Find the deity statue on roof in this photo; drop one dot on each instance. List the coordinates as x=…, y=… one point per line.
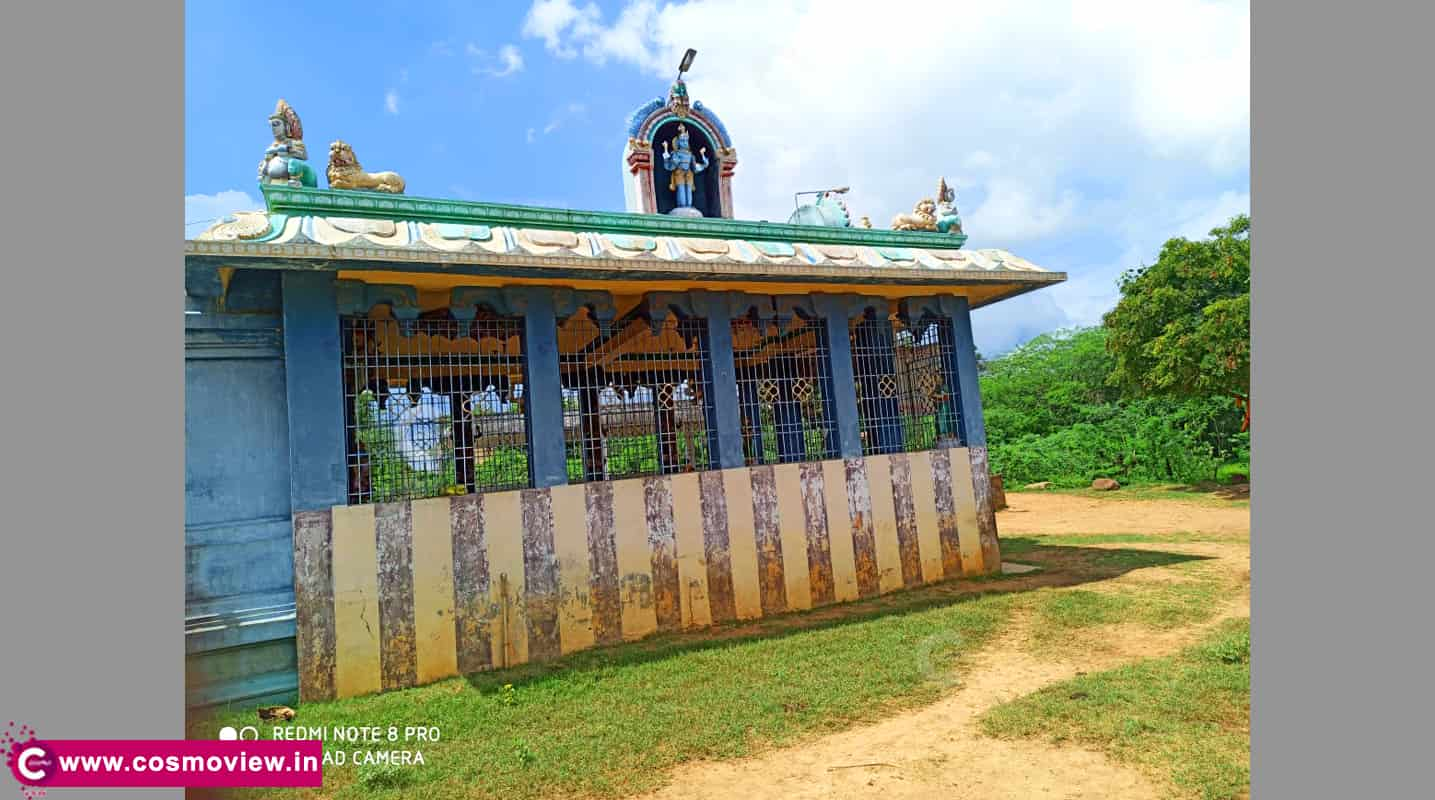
x=284, y=159
x=682, y=167
x=948, y=220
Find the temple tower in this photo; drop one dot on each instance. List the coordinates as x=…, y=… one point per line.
x=648, y=181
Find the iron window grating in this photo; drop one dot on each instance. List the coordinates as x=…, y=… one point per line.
x=433, y=406
x=784, y=382
x=905, y=384
x=635, y=402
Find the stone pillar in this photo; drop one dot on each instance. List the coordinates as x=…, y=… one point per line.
x=840, y=387
x=968, y=389
x=974, y=434
x=724, y=425
x=314, y=388
x=542, y=389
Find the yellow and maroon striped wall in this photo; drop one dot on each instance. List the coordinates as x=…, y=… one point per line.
x=400, y=594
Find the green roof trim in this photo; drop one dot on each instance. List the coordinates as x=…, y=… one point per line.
x=301, y=201
x=625, y=242
x=778, y=249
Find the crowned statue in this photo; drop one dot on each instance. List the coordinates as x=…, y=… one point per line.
x=284, y=159
x=948, y=220
x=682, y=167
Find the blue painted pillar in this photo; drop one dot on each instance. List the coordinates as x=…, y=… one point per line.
x=840, y=388
x=542, y=389
x=724, y=424
x=968, y=389
x=787, y=416
x=314, y=389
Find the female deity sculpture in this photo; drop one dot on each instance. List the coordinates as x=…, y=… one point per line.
x=284, y=160
x=682, y=166
x=948, y=220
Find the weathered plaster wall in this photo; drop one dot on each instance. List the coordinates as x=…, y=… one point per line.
x=400, y=594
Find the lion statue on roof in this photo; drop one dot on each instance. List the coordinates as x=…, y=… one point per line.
x=345, y=172
x=922, y=218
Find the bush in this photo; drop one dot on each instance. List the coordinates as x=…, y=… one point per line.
x=1051, y=416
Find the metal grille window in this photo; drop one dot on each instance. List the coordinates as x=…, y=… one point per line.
x=906, y=387
x=433, y=408
x=782, y=380
x=634, y=403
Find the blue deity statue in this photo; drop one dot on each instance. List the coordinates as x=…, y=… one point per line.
x=682, y=166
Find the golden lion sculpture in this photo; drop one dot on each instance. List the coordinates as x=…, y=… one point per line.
x=345, y=172
x=922, y=218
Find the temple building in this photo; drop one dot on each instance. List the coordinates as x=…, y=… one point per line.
x=426, y=437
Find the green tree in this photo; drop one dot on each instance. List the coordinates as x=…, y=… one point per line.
x=1183, y=325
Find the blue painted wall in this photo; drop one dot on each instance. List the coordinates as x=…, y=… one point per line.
x=239, y=565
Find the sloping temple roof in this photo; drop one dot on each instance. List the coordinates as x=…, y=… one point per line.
x=363, y=233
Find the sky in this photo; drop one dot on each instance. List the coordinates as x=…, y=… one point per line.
x=1078, y=135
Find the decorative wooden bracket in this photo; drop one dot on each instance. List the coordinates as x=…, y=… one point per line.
x=357, y=297
x=922, y=312
x=512, y=301
x=204, y=284
x=852, y=305
x=600, y=305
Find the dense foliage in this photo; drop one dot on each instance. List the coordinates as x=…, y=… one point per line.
x=1161, y=392
x=1052, y=415
x=1183, y=325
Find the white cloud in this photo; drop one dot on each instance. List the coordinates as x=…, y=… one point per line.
x=1056, y=122
x=1215, y=215
x=551, y=20
x=1014, y=212
x=980, y=159
x=999, y=327
x=571, y=110
x=1091, y=290
x=391, y=101
x=511, y=58
x=203, y=210
x=505, y=62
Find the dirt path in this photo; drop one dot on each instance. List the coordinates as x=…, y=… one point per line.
x=1054, y=513
x=937, y=751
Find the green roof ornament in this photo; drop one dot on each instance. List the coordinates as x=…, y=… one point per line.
x=828, y=210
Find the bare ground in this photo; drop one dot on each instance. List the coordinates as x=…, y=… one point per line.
x=937, y=751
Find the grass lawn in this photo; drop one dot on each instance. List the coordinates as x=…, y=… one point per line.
x=609, y=722
x=1185, y=718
